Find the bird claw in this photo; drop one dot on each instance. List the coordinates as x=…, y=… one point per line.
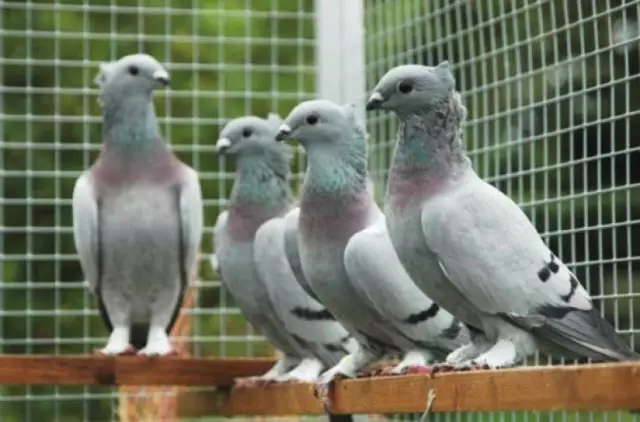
x=128, y=351
x=462, y=367
x=294, y=379
x=268, y=382
x=172, y=352
x=248, y=382
x=417, y=369
x=324, y=390
x=382, y=371
x=290, y=381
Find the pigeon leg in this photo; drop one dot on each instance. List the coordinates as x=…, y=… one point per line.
x=348, y=367
x=468, y=352
x=158, y=343
x=380, y=371
x=248, y=382
x=118, y=343
x=118, y=310
x=281, y=367
x=414, y=362
x=461, y=358
x=162, y=308
x=307, y=371
x=502, y=355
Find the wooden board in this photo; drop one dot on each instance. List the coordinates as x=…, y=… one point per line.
x=585, y=387
x=125, y=370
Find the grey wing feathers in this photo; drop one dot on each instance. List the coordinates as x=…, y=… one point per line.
x=490, y=251
x=261, y=319
x=191, y=220
x=292, y=249
x=85, y=228
x=305, y=319
x=380, y=279
x=586, y=333
x=221, y=222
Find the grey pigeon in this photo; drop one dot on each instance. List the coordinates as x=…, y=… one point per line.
x=137, y=214
x=292, y=250
x=469, y=246
x=291, y=245
x=253, y=262
x=347, y=257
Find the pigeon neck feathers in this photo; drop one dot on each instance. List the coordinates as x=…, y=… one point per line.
x=259, y=194
x=429, y=153
x=432, y=138
x=336, y=171
x=130, y=124
x=262, y=181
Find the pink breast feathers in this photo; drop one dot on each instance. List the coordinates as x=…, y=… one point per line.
x=409, y=188
x=246, y=217
x=323, y=219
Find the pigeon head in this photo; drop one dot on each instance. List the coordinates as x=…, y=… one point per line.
x=131, y=75
x=262, y=166
x=413, y=89
x=320, y=122
x=251, y=135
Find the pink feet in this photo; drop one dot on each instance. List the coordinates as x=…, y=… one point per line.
x=381, y=371
x=417, y=369
x=324, y=391
x=250, y=382
x=172, y=352
x=408, y=370
x=129, y=351
x=447, y=367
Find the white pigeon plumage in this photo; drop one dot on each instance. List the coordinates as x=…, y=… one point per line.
x=252, y=261
x=495, y=271
x=347, y=257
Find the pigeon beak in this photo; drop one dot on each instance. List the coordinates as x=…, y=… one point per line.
x=375, y=101
x=162, y=77
x=283, y=132
x=222, y=145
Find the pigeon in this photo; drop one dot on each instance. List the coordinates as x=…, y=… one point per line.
x=137, y=214
x=252, y=259
x=469, y=246
x=347, y=256
x=292, y=250
x=291, y=245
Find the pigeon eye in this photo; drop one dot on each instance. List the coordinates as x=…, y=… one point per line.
x=133, y=70
x=246, y=132
x=405, y=87
x=312, y=119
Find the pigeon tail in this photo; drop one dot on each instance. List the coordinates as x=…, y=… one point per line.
x=138, y=338
x=588, y=334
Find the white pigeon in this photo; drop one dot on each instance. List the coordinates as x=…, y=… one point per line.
x=470, y=247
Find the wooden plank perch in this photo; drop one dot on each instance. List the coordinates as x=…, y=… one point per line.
x=587, y=387
x=126, y=370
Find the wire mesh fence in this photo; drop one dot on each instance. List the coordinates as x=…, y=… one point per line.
x=225, y=58
x=549, y=85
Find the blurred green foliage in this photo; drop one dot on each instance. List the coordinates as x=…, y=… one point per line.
x=226, y=59
x=551, y=116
